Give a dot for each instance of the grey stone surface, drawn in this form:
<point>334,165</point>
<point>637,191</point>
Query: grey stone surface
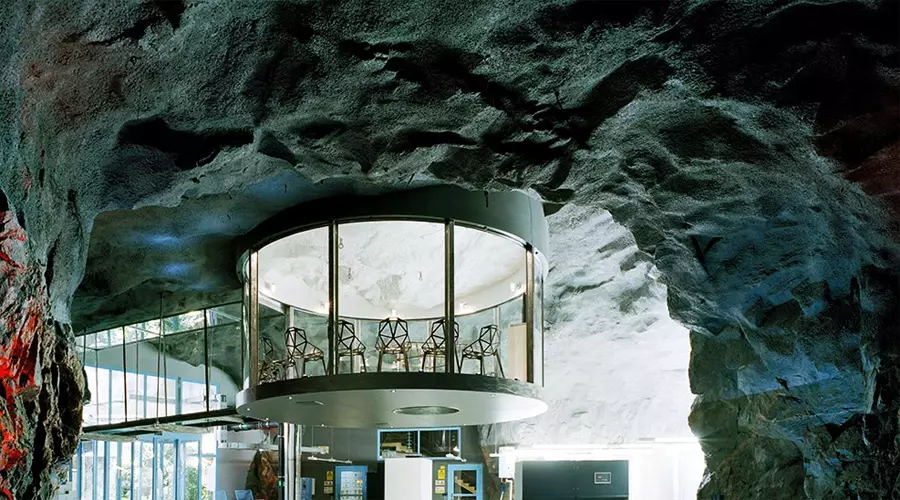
<point>139,139</point>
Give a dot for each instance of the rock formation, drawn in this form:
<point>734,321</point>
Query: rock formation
<point>750,148</point>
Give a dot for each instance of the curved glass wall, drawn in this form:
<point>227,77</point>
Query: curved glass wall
<point>352,297</point>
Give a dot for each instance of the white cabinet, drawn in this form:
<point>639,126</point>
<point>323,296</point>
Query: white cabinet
<point>407,478</point>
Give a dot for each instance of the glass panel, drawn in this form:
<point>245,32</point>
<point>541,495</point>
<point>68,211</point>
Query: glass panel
<point>89,413</point>
<point>470,346</point>
<point>117,382</point>
<point>125,473</point>
<point>183,322</point>
<point>168,470</point>
<point>193,397</point>
<point>224,338</point>
<point>101,468</point>
<point>513,353</point>
<point>87,470</point>
<point>134,384</point>
<point>112,470</point>
<point>439,442</point>
<point>315,325</point>
<point>208,478</point>
<point>293,276</point>
<point>538,322</point>
<point>116,336</point>
<point>100,340</point>
<point>274,363</point>
<point>394,444</point>
<point>147,452</point>
<point>208,444</point>
<point>191,477</point>
<point>101,399</point>
<point>391,279</point>
<point>489,281</point>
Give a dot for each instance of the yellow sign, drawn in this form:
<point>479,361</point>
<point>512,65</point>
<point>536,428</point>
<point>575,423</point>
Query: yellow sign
<point>442,473</point>
<point>329,475</point>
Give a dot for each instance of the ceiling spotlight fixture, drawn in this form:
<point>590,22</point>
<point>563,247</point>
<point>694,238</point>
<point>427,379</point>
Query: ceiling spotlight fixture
<point>426,410</point>
<point>393,314</point>
<point>465,308</point>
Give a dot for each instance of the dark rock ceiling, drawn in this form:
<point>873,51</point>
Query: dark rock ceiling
<point>751,148</point>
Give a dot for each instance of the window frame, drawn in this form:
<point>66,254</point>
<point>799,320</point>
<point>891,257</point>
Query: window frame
<point>419,432</point>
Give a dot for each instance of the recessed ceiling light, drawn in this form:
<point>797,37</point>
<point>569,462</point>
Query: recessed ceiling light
<point>426,410</point>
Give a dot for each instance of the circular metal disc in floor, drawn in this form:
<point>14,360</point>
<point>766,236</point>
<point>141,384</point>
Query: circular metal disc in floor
<point>370,400</point>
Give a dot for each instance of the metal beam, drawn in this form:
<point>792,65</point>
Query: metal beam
<point>449,299</point>
<point>529,312</point>
<point>254,318</point>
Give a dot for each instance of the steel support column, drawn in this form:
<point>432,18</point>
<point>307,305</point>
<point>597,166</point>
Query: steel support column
<point>529,312</point>
<point>253,323</point>
<point>449,299</point>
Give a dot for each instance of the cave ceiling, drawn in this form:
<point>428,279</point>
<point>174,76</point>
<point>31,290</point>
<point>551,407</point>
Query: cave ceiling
<point>746,153</point>
<point>180,125</point>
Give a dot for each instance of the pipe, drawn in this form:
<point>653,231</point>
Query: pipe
<point>252,426</point>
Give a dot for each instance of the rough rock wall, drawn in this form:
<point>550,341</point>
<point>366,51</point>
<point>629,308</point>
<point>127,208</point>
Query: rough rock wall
<point>41,383</point>
<point>719,133</point>
<point>616,364</point>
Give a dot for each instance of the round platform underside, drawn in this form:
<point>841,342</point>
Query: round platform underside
<point>383,400</point>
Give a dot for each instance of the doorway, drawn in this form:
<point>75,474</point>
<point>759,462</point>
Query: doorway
<point>464,482</point>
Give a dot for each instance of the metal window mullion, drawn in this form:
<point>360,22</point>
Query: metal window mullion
<point>254,318</point>
<point>118,466</point>
<point>124,375</point>
<point>529,313</point>
<point>179,392</point>
<point>131,494</point>
<point>333,312</point>
<point>109,379</point>
<point>80,468</point>
<point>206,370</point>
<point>94,470</point>
<point>449,299</point>
<point>153,468</point>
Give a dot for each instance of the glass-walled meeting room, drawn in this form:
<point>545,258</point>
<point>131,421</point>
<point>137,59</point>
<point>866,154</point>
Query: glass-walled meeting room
<point>350,297</point>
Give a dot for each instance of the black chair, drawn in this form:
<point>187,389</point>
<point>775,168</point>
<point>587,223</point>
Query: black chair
<point>268,365</point>
<point>436,344</point>
<point>349,345</point>
<point>393,339</point>
<point>299,348</point>
<point>485,346</point>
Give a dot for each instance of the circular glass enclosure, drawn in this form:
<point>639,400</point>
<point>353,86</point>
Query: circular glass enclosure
<point>346,316</point>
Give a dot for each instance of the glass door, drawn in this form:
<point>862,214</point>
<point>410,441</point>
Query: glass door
<point>465,482</point>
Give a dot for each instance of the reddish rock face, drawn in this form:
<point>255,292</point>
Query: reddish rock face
<point>41,381</point>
